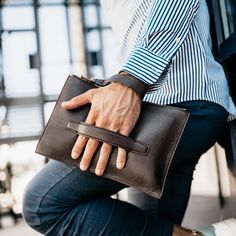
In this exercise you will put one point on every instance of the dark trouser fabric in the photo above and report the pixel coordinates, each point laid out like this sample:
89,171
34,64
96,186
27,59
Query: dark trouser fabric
61,200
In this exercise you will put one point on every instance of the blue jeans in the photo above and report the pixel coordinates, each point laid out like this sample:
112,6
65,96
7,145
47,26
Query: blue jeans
61,200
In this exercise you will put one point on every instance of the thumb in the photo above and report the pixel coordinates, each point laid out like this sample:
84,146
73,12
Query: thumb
78,101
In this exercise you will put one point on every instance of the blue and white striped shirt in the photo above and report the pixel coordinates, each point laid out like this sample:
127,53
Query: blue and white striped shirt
167,45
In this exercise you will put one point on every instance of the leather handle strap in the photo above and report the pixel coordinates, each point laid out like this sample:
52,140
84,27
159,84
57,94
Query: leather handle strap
110,137
128,80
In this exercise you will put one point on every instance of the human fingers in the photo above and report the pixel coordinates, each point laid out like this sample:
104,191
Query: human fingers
122,153
121,158
105,154
81,140
78,101
78,146
88,153
103,158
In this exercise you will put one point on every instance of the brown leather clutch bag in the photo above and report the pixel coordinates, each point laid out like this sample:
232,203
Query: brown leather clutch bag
150,146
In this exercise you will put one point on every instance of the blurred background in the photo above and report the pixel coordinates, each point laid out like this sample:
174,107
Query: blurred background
41,42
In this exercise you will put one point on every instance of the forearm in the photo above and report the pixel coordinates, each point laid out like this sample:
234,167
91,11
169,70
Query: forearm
165,29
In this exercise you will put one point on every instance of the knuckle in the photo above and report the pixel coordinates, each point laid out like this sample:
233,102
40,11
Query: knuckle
103,119
128,124
115,125
126,130
74,100
77,147
94,111
79,143
106,148
90,118
90,92
91,144
82,138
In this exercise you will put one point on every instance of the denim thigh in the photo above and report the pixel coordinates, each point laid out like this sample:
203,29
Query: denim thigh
62,200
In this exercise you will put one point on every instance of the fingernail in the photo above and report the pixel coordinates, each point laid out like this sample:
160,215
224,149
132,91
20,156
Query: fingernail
120,165
83,167
98,172
74,155
63,103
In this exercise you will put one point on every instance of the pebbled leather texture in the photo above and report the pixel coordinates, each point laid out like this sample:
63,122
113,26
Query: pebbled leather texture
151,145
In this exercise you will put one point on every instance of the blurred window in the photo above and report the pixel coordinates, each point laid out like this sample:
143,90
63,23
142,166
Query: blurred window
17,2
51,1
21,121
91,17
55,53
20,80
17,18
48,107
228,14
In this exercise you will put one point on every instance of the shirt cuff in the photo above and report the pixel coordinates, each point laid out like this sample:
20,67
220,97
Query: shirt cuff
145,65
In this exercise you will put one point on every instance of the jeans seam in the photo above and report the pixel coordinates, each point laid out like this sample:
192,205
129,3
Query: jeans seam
40,202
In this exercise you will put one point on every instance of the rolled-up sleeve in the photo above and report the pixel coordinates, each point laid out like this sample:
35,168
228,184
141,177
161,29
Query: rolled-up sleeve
166,27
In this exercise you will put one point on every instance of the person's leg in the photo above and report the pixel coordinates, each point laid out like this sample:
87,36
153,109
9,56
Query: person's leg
173,202
206,124
64,201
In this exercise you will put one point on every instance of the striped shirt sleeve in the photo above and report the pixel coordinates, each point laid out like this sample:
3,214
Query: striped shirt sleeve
165,29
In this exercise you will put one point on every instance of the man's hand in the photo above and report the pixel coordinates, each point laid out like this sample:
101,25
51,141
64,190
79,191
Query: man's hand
114,107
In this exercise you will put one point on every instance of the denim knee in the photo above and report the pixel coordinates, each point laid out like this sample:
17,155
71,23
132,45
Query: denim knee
41,207
31,205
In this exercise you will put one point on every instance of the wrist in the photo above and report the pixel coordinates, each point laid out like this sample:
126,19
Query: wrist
130,81
122,86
